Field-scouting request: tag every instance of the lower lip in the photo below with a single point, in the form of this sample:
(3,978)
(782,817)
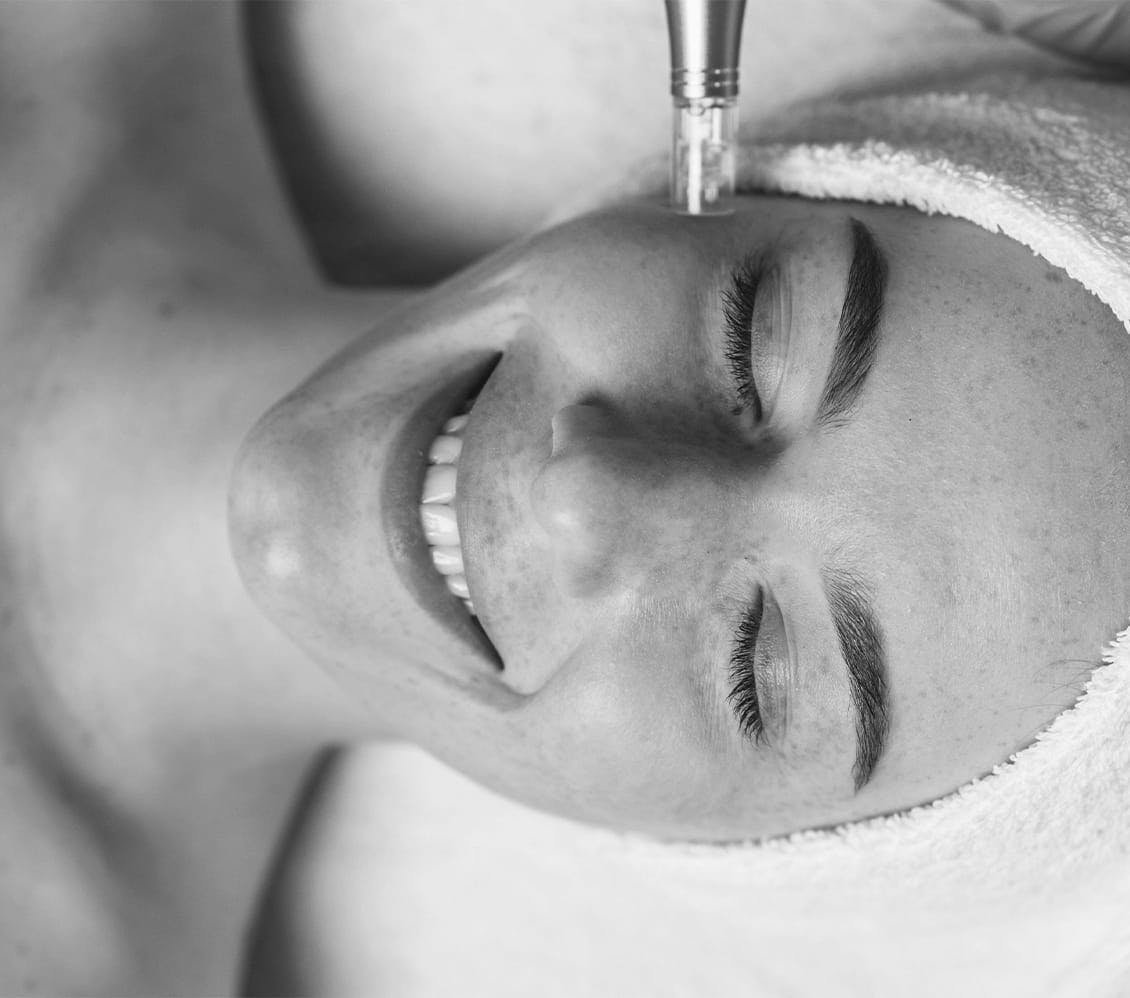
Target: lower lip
(400,500)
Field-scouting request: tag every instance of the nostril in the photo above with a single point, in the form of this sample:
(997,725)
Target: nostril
(577,503)
(594,499)
(563,495)
(575,424)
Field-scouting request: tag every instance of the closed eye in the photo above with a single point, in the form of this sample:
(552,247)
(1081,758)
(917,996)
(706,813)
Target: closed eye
(743,676)
(738,304)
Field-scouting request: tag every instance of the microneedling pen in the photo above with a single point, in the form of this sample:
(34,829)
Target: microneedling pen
(705,37)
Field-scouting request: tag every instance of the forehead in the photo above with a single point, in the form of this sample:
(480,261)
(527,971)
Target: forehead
(991,408)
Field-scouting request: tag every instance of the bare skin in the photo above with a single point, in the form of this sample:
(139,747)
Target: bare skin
(158,298)
(453,166)
(618,511)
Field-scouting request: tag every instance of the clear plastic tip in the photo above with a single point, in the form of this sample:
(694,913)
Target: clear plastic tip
(702,156)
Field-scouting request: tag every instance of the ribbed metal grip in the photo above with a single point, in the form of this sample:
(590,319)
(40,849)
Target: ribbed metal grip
(706,38)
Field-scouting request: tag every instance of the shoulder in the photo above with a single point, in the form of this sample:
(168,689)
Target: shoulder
(416,137)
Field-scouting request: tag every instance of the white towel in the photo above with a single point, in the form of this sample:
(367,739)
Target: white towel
(1017,884)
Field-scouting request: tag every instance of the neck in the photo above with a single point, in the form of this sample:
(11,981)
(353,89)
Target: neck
(162,302)
(139,680)
(155,299)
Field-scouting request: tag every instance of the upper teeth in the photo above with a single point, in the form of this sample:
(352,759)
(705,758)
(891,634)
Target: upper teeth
(437,514)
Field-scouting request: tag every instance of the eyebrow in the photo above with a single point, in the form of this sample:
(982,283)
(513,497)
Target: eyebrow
(861,642)
(858,335)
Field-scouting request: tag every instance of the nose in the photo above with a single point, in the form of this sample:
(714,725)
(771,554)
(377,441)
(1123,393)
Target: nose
(622,509)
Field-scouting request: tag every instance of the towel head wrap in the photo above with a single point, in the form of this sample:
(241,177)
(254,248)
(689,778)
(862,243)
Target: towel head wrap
(1016,884)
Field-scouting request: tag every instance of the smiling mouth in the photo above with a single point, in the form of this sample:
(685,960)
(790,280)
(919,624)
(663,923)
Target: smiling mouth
(439,525)
(437,506)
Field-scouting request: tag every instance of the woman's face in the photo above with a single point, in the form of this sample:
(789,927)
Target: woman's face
(833,562)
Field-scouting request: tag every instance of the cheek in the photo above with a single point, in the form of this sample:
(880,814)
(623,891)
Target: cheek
(620,731)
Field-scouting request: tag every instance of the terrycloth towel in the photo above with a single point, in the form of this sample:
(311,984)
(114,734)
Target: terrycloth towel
(1016,885)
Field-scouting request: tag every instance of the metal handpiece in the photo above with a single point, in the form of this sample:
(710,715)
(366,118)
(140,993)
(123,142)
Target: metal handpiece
(705,37)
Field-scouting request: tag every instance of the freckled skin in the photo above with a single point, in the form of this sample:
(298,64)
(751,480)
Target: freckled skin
(614,511)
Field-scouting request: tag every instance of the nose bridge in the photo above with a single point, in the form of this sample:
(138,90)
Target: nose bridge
(621,508)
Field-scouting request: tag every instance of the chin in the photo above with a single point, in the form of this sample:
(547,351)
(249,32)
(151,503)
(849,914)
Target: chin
(324,523)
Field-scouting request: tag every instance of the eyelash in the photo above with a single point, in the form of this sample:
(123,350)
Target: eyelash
(738,303)
(743,693)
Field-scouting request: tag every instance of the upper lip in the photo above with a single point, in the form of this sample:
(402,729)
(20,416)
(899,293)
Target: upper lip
(475,622)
